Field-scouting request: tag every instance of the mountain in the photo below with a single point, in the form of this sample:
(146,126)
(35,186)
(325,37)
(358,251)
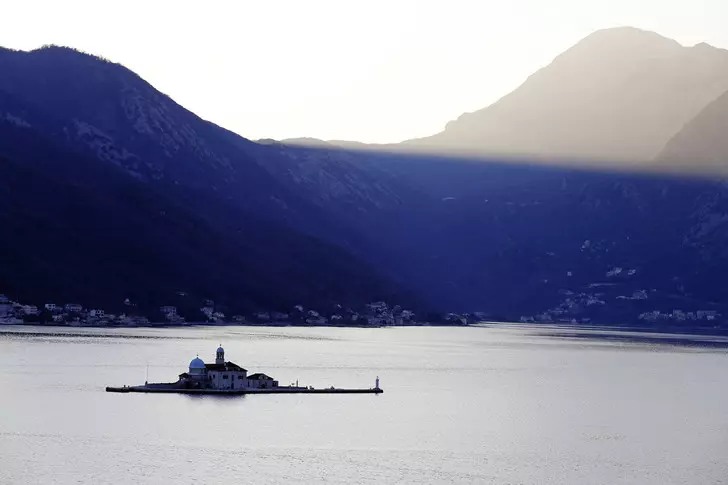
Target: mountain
(109,190)
(514,239)
(506,236)
(618,95)
(702,143)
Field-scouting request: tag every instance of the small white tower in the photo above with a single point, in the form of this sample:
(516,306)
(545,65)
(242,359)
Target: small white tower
(220,356)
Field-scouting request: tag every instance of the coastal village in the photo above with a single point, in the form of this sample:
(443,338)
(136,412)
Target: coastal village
(614,298)
(374,314)
(576,308)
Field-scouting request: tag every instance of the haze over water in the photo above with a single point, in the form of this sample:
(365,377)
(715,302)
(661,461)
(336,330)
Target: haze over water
(461,405)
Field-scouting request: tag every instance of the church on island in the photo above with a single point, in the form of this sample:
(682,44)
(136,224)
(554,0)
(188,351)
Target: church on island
(222,376)
(229,378)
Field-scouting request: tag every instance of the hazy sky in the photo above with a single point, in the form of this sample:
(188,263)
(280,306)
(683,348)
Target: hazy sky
(375,71)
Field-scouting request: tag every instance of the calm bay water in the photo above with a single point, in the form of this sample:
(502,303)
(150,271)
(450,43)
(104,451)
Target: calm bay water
(461,405)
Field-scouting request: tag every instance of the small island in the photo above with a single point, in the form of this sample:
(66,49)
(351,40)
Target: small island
(229,378)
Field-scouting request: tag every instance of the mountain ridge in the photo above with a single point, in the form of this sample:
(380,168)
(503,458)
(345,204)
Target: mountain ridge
(701,144)
(87,112)
(330,223)
(618,95)
(591,100)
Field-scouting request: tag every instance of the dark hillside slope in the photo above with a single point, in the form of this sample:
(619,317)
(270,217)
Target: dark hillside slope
(75,229)
(115,116)
(518,239)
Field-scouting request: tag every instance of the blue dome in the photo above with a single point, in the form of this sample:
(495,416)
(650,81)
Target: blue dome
(197,363)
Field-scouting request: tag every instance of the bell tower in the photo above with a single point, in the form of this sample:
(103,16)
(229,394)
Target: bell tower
(220,356)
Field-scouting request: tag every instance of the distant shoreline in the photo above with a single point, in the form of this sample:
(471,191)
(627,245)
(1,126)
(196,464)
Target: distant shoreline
(233,324)
(560,329)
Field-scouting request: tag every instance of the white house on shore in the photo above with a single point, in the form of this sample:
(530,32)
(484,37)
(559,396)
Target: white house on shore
(168,310)
(30,310)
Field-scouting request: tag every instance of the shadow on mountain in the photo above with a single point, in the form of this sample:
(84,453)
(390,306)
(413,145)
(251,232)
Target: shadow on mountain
(109,189)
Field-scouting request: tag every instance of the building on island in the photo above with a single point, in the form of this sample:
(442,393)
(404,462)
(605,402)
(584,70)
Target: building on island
(222,376)
(228,378)
(262,381)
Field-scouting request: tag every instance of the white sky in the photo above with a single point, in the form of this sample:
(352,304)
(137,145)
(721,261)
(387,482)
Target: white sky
(373,71)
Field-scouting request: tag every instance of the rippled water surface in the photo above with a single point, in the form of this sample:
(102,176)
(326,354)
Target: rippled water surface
(461,405)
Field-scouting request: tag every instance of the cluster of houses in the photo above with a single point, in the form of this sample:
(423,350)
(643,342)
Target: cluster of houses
(74,314)
(573,309)
(680,315)
(576,308)
(373,314)
(208,313)
(567,311)
(171,315)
